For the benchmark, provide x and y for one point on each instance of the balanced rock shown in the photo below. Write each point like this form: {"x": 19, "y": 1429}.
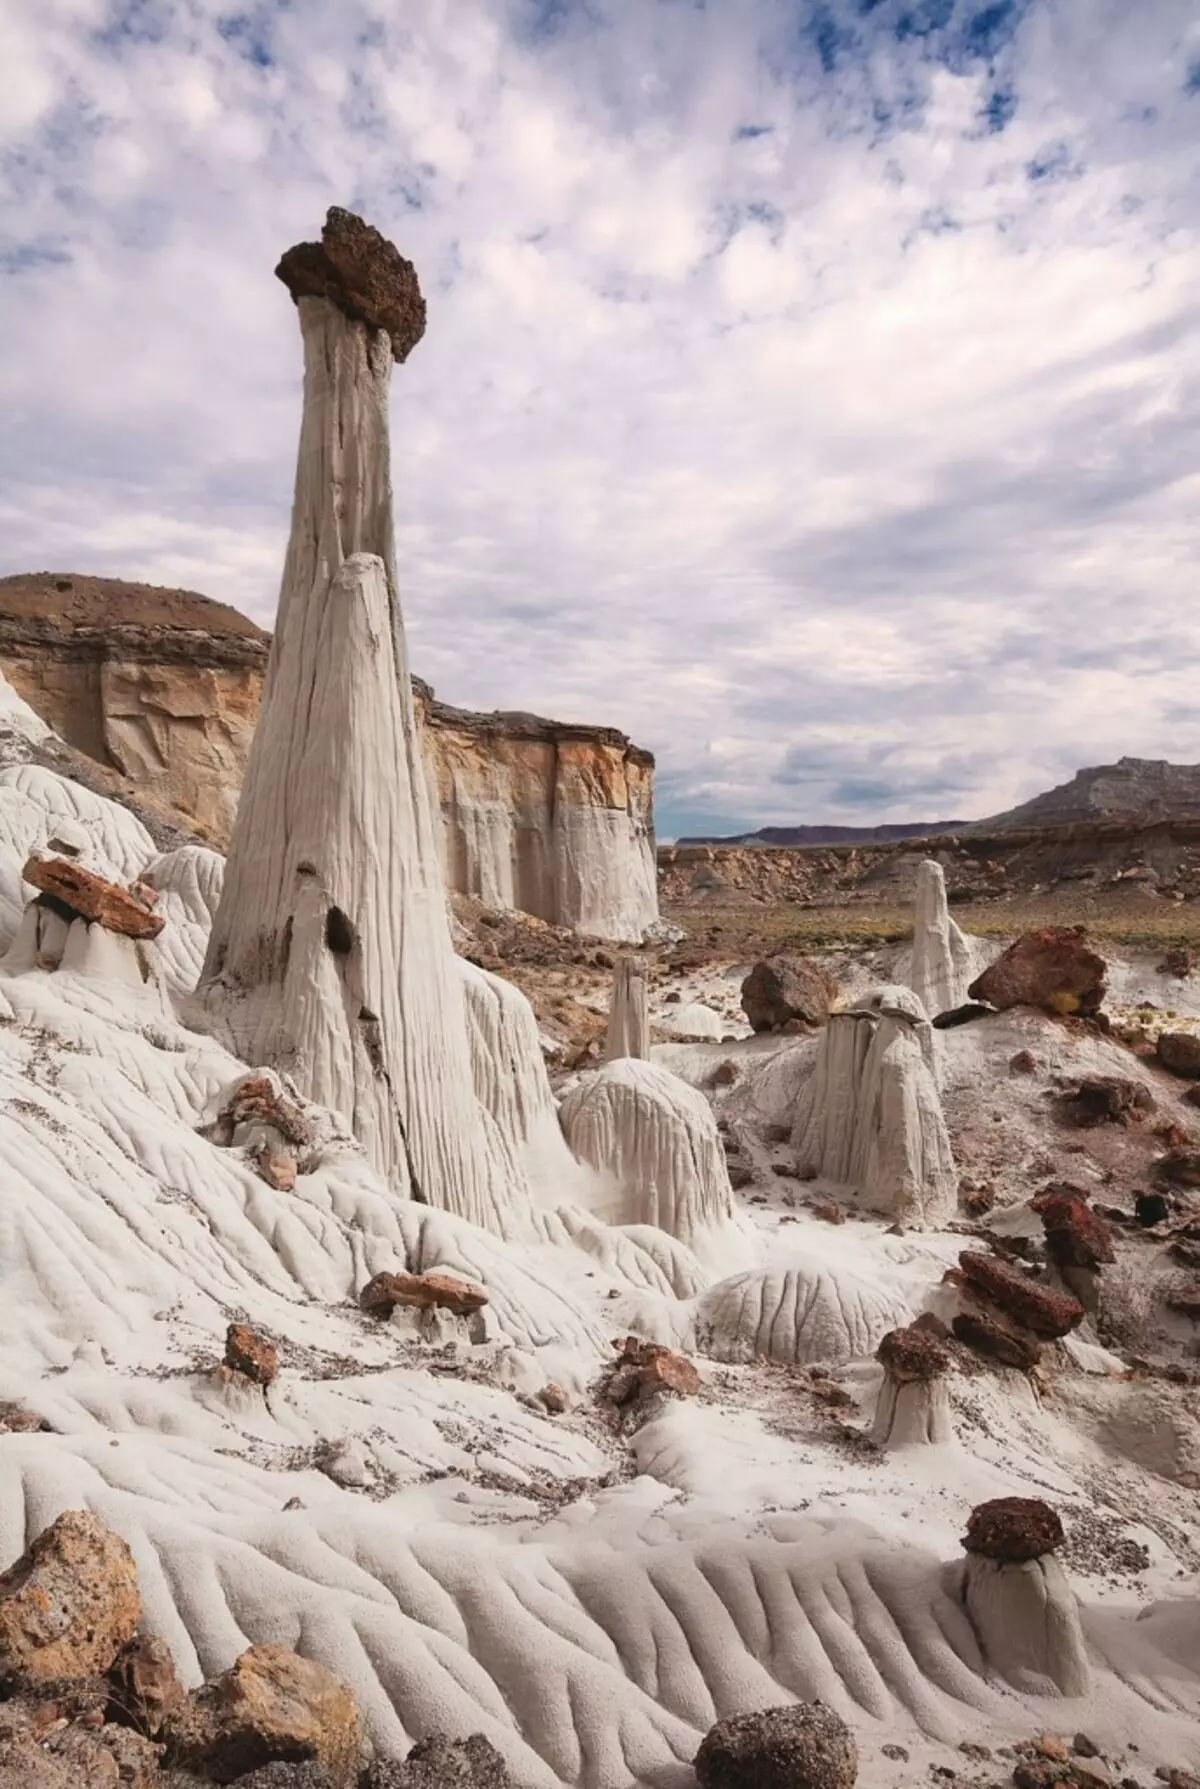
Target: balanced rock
{"x": 1179, "y": 1051}
{"x": 1051, "y": 968}
{"x": 85, "y": 895}
{"x": 70, "y": 1603}
{"x": 440, "y": 1763}
{"x": 271, "y": 1705}
{"x": 1013, "y": 1528}
{"x": 426, "y": 1291}
{"x": 985, "y": 1336}
{"x": 805, "y": 1746}
{"x": 363, "y": 274}
{"x": 914, "y": 1403}
{"x": 1034, "y": 1306}
{"x": 779, "y": 989}
{"x": 251, "y": 1354}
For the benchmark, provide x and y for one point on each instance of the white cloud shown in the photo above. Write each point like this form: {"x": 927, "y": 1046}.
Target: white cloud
{"x": 842, "y": 449}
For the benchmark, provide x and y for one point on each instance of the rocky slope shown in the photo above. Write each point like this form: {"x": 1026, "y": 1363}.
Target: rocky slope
{"x": 1133, "y": 791}
{"x": 162, "y": 687}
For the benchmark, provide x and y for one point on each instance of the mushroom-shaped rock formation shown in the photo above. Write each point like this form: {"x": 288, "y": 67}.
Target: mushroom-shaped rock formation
{"x": 942, "y": 958}
{"x": 657, "y": 1140}
{"x": 870, "y": 1115}
{"x": 1051, "y": 968}
{"x": 330, "y": 957}
{"x": 914, "y": 1401}
{"x": 628, "y": 1031}
{"x": 1019, "y": 1601}
{"x": 797, "y": 1315}
{"x": 804, "y": 1746}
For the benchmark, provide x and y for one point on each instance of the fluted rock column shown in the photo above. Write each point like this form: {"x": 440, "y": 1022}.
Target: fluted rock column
{"x": 628, "y": 1031}
{"x": 330, "y": 956}
{"x": 942, "y": 960}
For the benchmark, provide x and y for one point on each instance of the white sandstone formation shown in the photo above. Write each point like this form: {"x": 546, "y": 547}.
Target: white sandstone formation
{"x": 1027, "y": 1619}
{"x": 656, "y": 1141}
{"x": 330, "y": 956}
{"x": 870, "y": 1115}
{"x": 628, "y": 1031}
{"x": 798, "y": 1315}
{"x": 942, "y": 964}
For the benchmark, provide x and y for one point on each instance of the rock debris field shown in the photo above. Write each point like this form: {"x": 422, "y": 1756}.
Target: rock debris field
{"x": 387, "y": 1403}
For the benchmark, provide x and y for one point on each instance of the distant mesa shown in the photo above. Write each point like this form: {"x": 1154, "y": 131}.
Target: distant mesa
{"x": 830, "y": 835}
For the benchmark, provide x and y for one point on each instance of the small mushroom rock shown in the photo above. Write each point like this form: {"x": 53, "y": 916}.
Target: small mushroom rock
{"x": 804, "y": 1746}
{"x": 85, "y": 895}
{"x": 249, "y": 1353}
{"x": 70, "y": 1603}
{"x": 426, "y": 1291}
{"x": 914, "y": 1405}
{"x": 1051, "y": 968}
{"x": 270, "y": 1705}
{"x": 362, "y": 274}
{"x": 1034, "y": 1306}
{"x": 1018, "y": 1599}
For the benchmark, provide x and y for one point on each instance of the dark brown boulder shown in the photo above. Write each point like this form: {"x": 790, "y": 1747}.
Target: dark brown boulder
{"x": 363, "y": 274}
{"x": 440, "y": 1763}
{"x": 781, "y": 989}
{"x": 1029, "y": 1303}
{"x": 79, "y": 894}
{"x": 1179, "y": 1051}
{"x": 146, "y": 1686}
{"x": 1107, "y": 1099}
{"x": 1051, "y": 968}
{"x": 912, "y": 1354}
{"x": 1013, "y": 1529}
{"x": 250, "y": 1354}
{"x": 804, "y": 1746}
{"x": 270, "y": 1706}
{"x": 1076, "y": 1236}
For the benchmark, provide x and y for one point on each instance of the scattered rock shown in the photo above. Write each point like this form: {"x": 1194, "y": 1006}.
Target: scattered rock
{"x": 805, "y": 1746}
{"x": 779, "y": 989}
{"x": 250, "y": 1354}
{"x": 146, "y": 1685}
{"x": 1179, "y": 1167}
{"x": 828, "y": 1214}
{"x": 1075, "y": 1235}
{"x": 1107, "y": 1099}
{"x": 1150, "y": 1209}
{"x": 991, "y": 1339}
{"x": 897, "y": 1754}
{"x": 287, "y": 1776}
{"x": 1013, "y": 1529}
{"x": 427, "y": 1291}
{"x": 84, "y": 895}
{"x": 962, "y": 1015}
{"x": 1179, "y": 1051}
{"x": 1179, "y": 962}
{"x": 554, "y": 1398}
{"x": 646, "y": 1367}
{"x": 440, "y": 1763}
{"x": 1023, "y": 1063}
{"x": 262, "y": 1099}
{"x": 1034, "y": 1306}
{"x": 270, "y": 1706}
{"x": 1084, "y": 1747}
{"x": 1051, "y": 968}
{"x": 70, "y": 1603}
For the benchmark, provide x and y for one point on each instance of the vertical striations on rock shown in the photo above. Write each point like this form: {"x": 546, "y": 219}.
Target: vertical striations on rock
{"x": 628, "y": 1031}
{"x": 330, "y": 956}
{"x": 942, "y": 960}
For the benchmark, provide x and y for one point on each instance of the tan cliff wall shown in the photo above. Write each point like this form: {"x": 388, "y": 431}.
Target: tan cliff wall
{"x": 163, "y": 687}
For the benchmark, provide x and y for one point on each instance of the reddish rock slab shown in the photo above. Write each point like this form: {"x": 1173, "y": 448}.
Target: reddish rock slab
{"x": 70, "y": 1603}
{"x": 1051, "y": 968}
{"x": 426, "y": 1291}
{"x": 1076, "y": 1236}
{"x": 991, "y": 1339}
{"x": 250, "y": 1354}
{"x": 1013, "y": 1529}
{"x": 271, "y": 1705}
{"x": 363, "y": 274}
{"x": 257, "y": 1099}
{"x": 1034, "y": 1306}
{"x": 646, "y": 1367}
{"x": 88, "y": 896}
{"x": 912, "y": 1354}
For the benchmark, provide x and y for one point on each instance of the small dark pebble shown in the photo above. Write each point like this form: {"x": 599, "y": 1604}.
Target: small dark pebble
{"x": 896, "y": 1753}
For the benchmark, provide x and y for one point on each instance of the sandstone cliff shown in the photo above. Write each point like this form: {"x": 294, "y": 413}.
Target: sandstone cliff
{"x": 162, "y": 687}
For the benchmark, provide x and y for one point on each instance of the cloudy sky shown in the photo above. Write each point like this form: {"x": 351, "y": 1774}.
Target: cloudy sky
{"x": 811, "y": 387}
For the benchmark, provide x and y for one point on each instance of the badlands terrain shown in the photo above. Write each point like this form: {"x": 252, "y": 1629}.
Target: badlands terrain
{"x": 471, "y": 1317}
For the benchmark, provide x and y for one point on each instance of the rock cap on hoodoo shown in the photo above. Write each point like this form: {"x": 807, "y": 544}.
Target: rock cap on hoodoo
{"x": 1013, "y": 1529}
{"x": 912, "y": 1354}
{"x": 364, "y": 274}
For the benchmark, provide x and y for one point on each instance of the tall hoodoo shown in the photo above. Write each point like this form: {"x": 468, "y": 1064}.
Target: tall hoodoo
{"x": 870, "y": 1115}
{"x": 942, "y": 960}
{"x": 628, "y": 1031}
{"x": 1019, "y": 1600}
{"x": 330, "y": 956}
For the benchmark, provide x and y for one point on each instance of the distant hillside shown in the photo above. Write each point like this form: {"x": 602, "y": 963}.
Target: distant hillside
{"x": 1134, "y": 789}
{"x": 834, "y": 835}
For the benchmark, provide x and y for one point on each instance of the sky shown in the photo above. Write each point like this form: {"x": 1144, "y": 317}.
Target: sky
{"x": 811, "y": 388}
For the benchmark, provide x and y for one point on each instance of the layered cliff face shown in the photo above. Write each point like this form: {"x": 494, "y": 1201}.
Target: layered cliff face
{"x": 163, "y": 687}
